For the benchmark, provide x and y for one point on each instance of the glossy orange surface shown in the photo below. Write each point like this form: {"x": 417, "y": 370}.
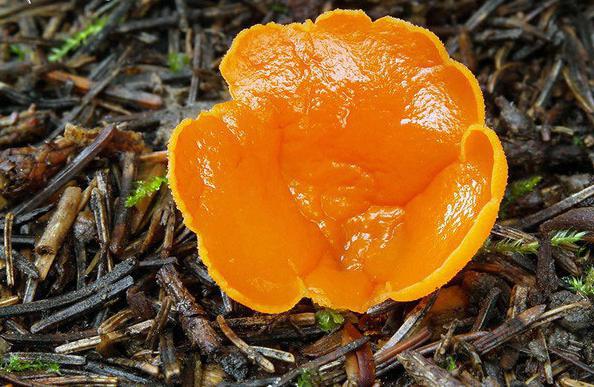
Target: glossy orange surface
{"x": 351, "y": 166}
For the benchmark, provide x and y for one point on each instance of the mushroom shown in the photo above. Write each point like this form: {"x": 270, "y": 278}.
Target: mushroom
{"x": 352, "y": 165}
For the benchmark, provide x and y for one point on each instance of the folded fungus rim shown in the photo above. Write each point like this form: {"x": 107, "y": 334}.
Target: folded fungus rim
{"x": 455, "y": 261}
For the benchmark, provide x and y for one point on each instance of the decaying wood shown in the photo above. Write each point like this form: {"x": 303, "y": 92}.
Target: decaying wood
{"x": 83, "y": 306}
{"x": 250, "y": 352}
{"x": 426, "y": 373}
{"x": 8, "y": 255}
{"x": 191, "y": 315}
{"x": 412, "y": 320}
{"x": 73, "y": 168}
{"x": 57, "y": 227}
{"x": 139, "y": 98}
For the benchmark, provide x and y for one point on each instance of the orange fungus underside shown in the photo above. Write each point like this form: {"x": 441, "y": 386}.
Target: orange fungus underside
{"x": 352, "y": 165}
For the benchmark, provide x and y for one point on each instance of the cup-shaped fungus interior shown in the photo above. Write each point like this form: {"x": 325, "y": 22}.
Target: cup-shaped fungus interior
{"x": 352, "y": 166}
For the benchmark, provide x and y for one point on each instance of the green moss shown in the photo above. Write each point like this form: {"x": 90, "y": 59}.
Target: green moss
{"x": 585, "y": 285}
{"x": 328, "y": 319}
{"x": 305, "y": 380}
{"x": 19, "y": 51}
{"x": 518, "y": 189}
{"x": 16, "y": 364}
{"x": 144, "y": 189}
{"x": 279, "y": 8}
{"x": 450, "y": 363}
{"x": 177, "y": 61}
{"x": 565, "y": 239}
{"x": 58, "y": 53}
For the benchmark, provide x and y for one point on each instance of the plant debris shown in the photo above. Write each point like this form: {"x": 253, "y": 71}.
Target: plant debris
{"x": 144, "y": 189}
{"x": 102, "y": 284}
{"x": 16, "y": 364}
{"x": 329, "y": 320}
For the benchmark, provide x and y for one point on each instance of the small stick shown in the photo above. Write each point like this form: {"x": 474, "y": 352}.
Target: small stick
{"x": 81, "y": 307}
{"x": 154, "y": 227}
{"x": 277, "y": 354}
{"x": 143, "y": 366}
{"x": 218, "y": 11}
{"x": 509, "y": 329}
{"x": 8, "y": 301}
{"x": 546, "y": 275}
{"x": 19, "y": 382}
{"x": 182, "y": 10}
{"x": 547, "y": 88}
{"x": 572, "y": 358}
{"x": 158, "y": 262}
{"x": 257, "y": 322}
{"x": 171, "y": 368}
{"x": 136, "y": 97}
{"x": 122, "y": 213}
{"x": 21, "y": 263}
{"x": 250, "y": 352}
{"x": 414, "y": 318}
{"x": 227, "y": 302}
{"x": 190, "y": 313}
{"x": 112, "y": 22}
{"x": 120, "y": 270}
{"x": 80, "y": 380}
{"x": 29, "y": 216}
{"x": 548, "y": 370}
{"x": 105, "y": 189}
{"x": 517, "y": 301}
{"x": 115, "y": 321}
{"x": 439, "y": 356}
{"x": 78, "y": 345}
{"x": 169, "y": 221}
{"x": 557, "y": 208}
{"x": 424, "y": 372}
{"x": 56, "y": 230}
{"x": 429, "y": 348}
{"x": 48, "y": 357}
{"x": 111, "y": 337}
{"x": 93, "y": 92}
{"x": 385, "y": 357}
{"x": 27, "y": 338}
{"x": 71, "y": 170}
{"x": 315, "y": 364}
{"x": 80, "y": 252}
{"x": 557, "y": 313}
{"x": 487, "y": 305}
{"x": 196, "y": 63}
{"x": 97, "y": 204}
{"x": 8, "y": 219}
{"x": 474, "y": 21}
{"x": 382, "y": 307}
{"x": 154, "y": 157}
{"x": 108, "y": 370}
{"x": 159, "y": 323}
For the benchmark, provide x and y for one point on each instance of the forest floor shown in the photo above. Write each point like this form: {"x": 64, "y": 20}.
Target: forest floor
{"x": 97, "y": 292}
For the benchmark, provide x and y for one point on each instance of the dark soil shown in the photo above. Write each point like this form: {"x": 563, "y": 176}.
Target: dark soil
{"x": 116, "y": 295}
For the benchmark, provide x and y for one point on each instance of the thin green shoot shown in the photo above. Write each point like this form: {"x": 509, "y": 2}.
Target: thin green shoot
{"x": 517, "y": 190}
{"x": 451, "y": 363}
{"x": 58, "y": 53}
{"x": 565, "y": 239}
{"x": 19, "y": 51}
{"x": 582, "y": 285}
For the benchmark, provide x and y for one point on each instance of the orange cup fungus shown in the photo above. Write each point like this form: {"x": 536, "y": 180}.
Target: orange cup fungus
{"x": 352, "y": 165}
